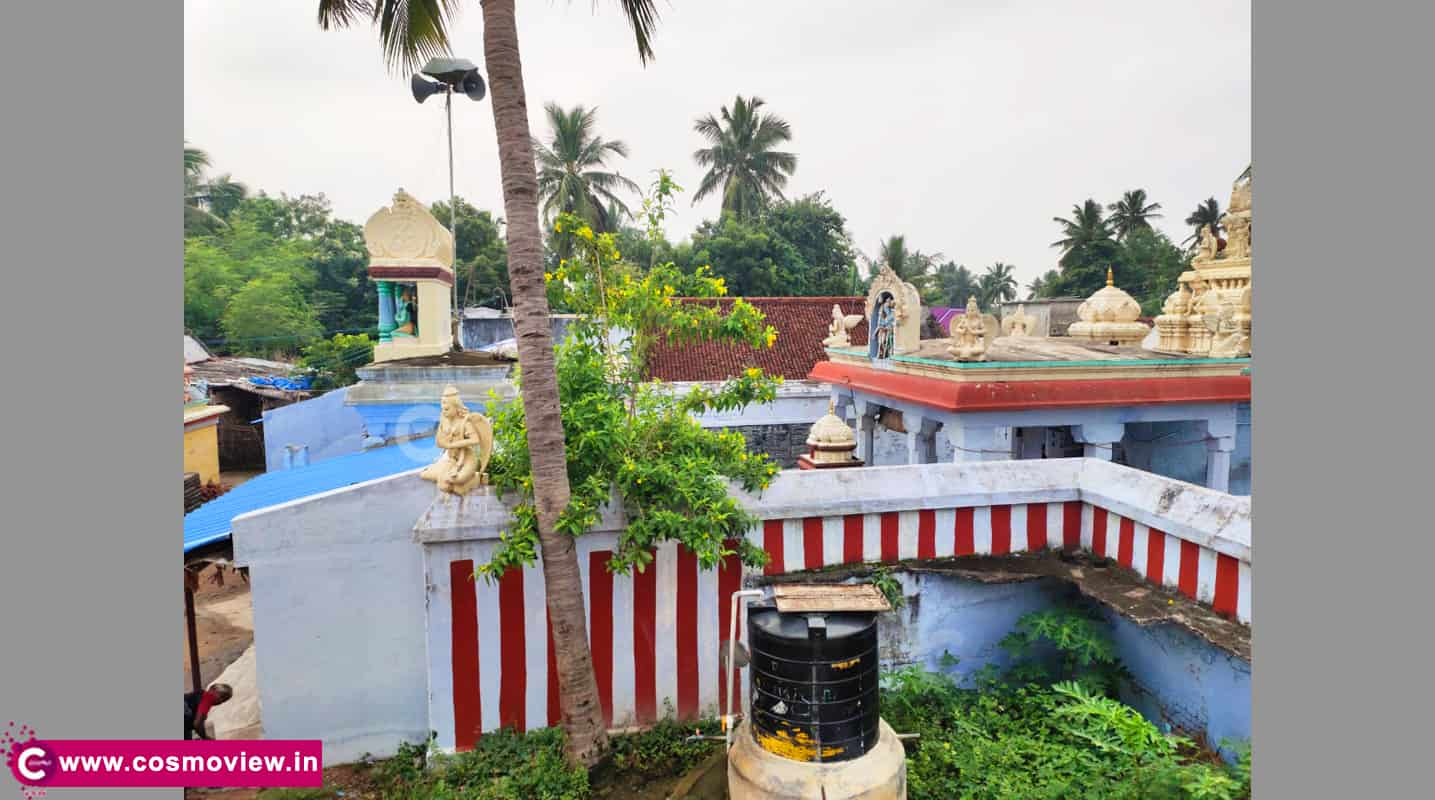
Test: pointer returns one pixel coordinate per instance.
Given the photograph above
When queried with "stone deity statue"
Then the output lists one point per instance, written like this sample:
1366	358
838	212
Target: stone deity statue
1209	244
969	334
841	324
885	327
1238	244
405	314
467	441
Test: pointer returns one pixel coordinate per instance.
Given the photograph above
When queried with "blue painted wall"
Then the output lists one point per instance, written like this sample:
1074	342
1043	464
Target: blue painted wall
1178	680
1181	681
324	424
1177	450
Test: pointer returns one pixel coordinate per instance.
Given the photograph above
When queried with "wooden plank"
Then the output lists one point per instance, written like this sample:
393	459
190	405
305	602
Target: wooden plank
830	597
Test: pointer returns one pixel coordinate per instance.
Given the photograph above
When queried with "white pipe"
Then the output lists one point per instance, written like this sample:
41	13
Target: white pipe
732	660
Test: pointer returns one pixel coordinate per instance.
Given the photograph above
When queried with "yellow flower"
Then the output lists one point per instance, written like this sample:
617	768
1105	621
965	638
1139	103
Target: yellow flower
617	255
558	226
586	232
547	276
754	372
720	286
667	290
771	337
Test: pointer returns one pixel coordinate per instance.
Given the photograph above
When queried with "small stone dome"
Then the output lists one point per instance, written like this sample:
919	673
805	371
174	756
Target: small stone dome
831	432
1109	316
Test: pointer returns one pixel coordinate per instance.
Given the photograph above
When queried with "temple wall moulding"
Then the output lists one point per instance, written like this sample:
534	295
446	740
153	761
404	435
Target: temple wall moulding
894	315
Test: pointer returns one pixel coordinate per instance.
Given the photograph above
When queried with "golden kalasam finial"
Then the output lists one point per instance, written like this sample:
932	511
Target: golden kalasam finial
1110	280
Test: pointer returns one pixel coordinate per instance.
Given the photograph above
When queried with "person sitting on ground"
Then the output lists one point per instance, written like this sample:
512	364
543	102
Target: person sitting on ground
197	706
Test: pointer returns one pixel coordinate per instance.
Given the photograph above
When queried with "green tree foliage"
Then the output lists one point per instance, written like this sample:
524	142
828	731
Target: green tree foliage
270	317
1149	264
750	256
631	436
1087	249
1132	213
1048	284
997	285
217	267
818	233
1207	213
482	255
954	285
332	362
741	158
572	178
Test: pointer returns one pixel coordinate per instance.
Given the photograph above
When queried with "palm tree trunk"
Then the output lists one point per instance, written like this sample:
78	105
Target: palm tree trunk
587	740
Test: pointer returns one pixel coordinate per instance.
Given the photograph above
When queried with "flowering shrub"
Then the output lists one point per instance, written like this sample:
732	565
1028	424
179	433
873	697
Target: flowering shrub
629	436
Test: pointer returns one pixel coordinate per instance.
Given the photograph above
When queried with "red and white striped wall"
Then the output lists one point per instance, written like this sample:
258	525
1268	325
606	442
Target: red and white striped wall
655	636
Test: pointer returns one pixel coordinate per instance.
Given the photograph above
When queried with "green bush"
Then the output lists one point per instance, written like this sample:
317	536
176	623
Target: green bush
332	362
503	765
1021	735
662	751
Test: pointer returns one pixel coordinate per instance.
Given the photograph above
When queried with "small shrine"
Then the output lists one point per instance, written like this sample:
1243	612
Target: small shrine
894	314
830	443
411	262
1109	317
1211	306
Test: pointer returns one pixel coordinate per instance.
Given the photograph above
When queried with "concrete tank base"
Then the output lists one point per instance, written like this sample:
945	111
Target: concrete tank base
755	774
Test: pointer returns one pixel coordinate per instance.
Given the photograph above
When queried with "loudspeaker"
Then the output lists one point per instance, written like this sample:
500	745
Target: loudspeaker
472	85
422	89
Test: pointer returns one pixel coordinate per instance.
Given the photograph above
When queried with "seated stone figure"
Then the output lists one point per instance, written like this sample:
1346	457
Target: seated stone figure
969	335
467	441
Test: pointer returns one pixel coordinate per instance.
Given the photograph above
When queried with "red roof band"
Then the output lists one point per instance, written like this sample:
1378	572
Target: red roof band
1019	395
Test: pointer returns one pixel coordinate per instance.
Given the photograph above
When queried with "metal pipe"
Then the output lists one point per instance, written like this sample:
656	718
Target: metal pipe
452	214
732	660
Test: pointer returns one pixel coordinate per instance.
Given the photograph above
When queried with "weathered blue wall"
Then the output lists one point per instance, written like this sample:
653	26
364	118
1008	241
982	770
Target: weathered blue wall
1178	450
1177	679
324	425
1181	681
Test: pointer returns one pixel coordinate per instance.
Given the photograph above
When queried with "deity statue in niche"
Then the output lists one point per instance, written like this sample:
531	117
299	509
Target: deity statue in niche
884	328
1209	244
406	314
467	441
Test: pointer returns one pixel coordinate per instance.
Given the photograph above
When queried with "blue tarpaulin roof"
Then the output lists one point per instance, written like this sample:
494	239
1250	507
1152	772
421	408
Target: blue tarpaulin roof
210	522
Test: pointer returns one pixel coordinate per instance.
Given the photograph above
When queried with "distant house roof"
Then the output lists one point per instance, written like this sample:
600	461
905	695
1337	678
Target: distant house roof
194	352
944	315
210	523
801	324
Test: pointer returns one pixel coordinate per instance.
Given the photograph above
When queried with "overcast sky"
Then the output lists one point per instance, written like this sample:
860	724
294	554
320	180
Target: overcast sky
966	125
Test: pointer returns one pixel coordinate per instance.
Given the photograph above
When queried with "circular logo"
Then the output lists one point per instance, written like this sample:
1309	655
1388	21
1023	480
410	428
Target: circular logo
34	763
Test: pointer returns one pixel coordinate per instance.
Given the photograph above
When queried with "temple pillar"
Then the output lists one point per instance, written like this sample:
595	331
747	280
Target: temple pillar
1220	443
979	442
1098	439
386	310
866	430
922	442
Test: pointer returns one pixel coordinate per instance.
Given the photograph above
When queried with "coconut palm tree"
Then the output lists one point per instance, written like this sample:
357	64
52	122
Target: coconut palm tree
1132	212
1085	234
740	157
1046	285
997	285
912	266
571	177
410	32
1207	213
208	202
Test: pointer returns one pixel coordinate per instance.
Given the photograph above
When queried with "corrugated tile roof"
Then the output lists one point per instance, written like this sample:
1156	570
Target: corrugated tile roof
210	522
801	324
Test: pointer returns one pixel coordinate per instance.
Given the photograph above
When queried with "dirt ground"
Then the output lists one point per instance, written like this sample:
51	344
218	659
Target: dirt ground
224	622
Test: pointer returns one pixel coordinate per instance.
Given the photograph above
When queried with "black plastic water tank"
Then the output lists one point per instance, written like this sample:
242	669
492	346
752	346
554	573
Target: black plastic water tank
813	683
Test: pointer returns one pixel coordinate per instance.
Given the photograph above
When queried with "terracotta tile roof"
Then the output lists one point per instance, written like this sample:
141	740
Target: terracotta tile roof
801	324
